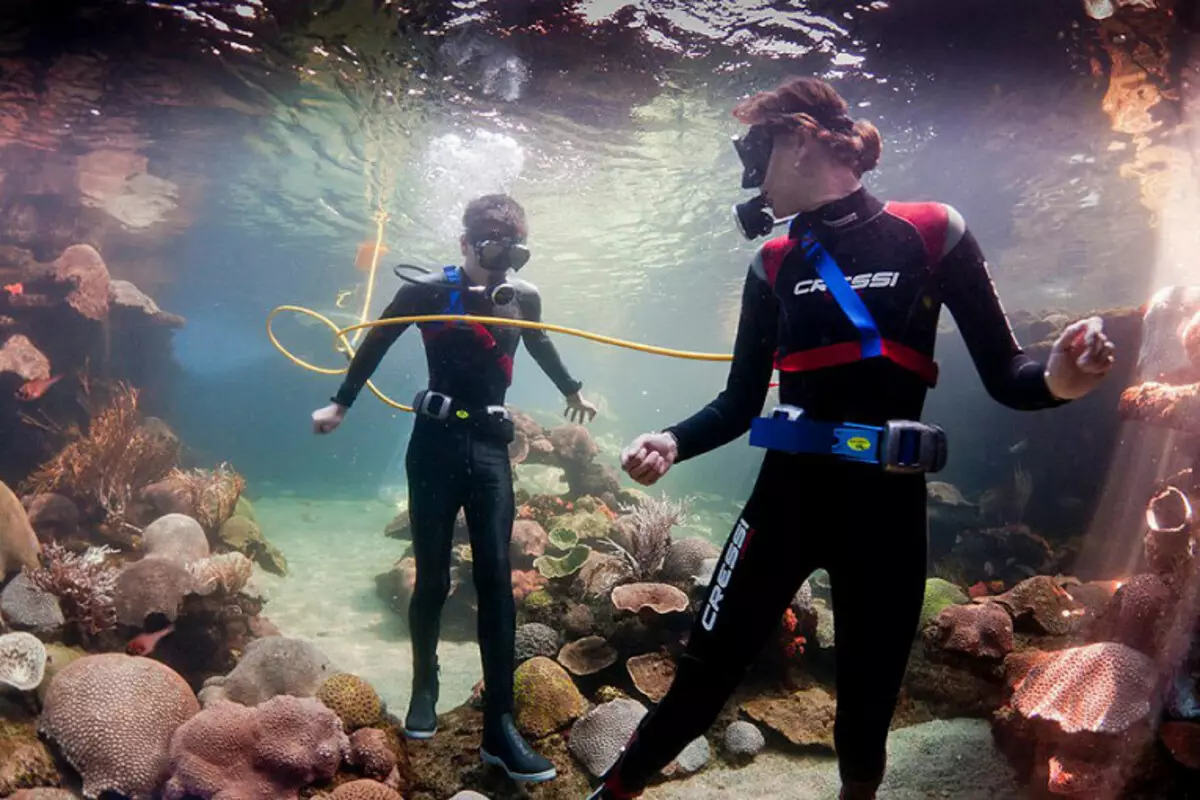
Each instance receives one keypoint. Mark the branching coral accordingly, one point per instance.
(650, 524)
(84, 586)
(116, 457)
(213, 494)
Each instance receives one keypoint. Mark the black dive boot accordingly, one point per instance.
(421, 722)
(504, 747)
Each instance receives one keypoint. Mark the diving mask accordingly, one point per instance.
(754, 151)
(501, 255)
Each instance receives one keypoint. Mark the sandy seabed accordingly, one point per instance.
(336, 548)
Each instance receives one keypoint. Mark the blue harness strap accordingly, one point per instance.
(851, 304)
(455, 303)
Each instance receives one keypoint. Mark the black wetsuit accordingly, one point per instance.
(454, 465)
(867, 528)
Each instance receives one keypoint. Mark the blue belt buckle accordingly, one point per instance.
(857, 442)
(779, 431)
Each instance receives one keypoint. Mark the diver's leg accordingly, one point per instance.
(884, 546)
(763, 563)
(434, 490)
(490, 508)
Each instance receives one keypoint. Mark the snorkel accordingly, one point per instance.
(496, 256)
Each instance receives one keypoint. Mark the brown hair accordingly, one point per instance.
(815, 106)
(494, 214)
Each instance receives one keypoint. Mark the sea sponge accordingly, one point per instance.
(176, 537)
(19, 545)
(938, 595)
(22, 661)
(271, 666)
(686, 557)
(112, 716)
(743, 740)
(545, 698)
(151, 586)
(354, 700)
(271, 750)
(978, 631)
(369, 751)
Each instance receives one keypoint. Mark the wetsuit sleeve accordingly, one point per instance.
(730, 414)
(538, 343)
(410, 300)
(1010, 377)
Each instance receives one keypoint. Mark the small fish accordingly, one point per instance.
(144, 643)
(14, 289)
(33, 390)
(1019, 447)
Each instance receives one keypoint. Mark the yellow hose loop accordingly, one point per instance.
(340, 337)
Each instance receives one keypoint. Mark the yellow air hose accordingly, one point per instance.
(345, 346)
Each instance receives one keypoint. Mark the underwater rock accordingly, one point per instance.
(52, 516)
(129, 306)
(599, 575)
(1162, 356)
(353, 699)
(25, 762)
(1137, 615)
(742, 741)
(175, 537)
(804, 718)
(1175, 407)
(142, 704)
(545, 698)
(578, 621)
(529, 540)
(271, 666)
(245, 536)
(1038, 605)
(19, 545)
(693, 758)
(20, 358)
(685, 560)
(82, 266)
(26, 607)
(1182, 740)
(268, 750)
(976, 631)
(597, 737)
(449, 763)
(372, 752)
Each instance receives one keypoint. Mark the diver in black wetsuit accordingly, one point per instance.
(845, 306)
(458, 457)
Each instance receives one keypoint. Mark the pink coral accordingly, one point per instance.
(369, 752)
(113, 715)
(230, 751)
(1100, 688)
(979, 631)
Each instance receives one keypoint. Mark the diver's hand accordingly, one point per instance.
(1081, 357)
(326, 420)
(649, 457)
(579, 409)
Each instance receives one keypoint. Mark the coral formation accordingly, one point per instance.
(84, 585)
(353, 699)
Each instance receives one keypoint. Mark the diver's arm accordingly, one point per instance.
(538, 343)
(410, 300)
(730, 414)
(1010, 377)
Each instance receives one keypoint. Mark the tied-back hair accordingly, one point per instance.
(815, 106)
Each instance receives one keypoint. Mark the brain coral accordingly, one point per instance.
(112, 716)
(352, 699)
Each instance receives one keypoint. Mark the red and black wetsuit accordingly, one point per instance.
(452, 466)
(864, 526)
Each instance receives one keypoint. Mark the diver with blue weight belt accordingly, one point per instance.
(845, 306)
(458, 456)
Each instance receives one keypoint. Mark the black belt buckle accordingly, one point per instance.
(911, 447)
(433, 404)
